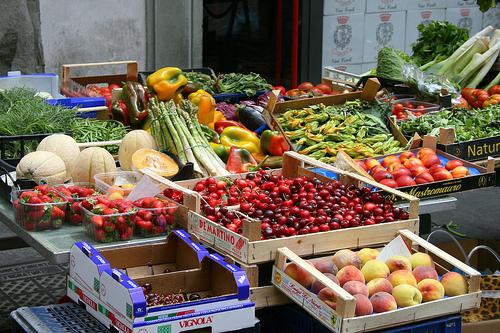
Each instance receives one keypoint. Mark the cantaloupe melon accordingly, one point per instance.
(42, 167)
(63, 146)
(92, 161)
(158, 162)
(132, 142)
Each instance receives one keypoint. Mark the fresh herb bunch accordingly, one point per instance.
(23, 113)
(438, 40)
(91, 130)
(206, 82)
(247, 84)
(468, 124)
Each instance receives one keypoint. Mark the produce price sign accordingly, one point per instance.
(218, 236)
(473, 150)
(309, 301)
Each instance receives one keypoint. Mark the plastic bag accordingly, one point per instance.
(428, 86)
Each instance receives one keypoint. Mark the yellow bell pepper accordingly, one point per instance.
(178, 99)
(167, 82)
(206, 106)
(241, 138)
(217, 116)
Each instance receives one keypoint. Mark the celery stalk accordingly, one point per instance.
(477, 62)
(487, 66)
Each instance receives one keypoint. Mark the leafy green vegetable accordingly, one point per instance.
(205, 81)
(23, 113)
(438, 40)
(247, 84)
(391, 62)
(468, 124)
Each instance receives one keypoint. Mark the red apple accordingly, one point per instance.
(452, 164)
(405, 181)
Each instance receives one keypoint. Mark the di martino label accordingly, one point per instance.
(474, 150)
(306, 299)
(218, 236)
(447, 187)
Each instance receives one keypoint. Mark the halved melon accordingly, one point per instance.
(158, 162)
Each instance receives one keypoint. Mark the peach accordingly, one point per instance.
(405, 181)
(367, 254)
(425, 151)
(391, 159)
(421, 259)
(395, 166)
(346, 257)
(375, 269)
(317, 285)
(413, 162)
(459, 172)
(431, 290)
(424, 178)
(400, 172)
(406, 155)
(454, 284)
(383, 302)
(325, 265)
(418, 170)
(370, 163)
(425, 272)
(350, 273)
(452, 164)
(430, 160)
(376, 169)
(402, 277)
(328, 296)
(435, 167)
(363, 305)
(355, 287)
(396, 263)
(300, 275)
(442, 174)
(381, 175)
(406, 295)
(389, 182)
(378, 285)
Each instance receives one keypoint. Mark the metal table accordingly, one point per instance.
(54, 245)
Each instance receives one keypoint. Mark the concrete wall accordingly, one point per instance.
(76, 31)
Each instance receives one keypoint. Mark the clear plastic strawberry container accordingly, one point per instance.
(118, 183)
(416, 108)
(74, 193)
(104, 223)
(155, 216)
(37, 211)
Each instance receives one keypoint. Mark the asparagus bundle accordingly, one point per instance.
(176, 129)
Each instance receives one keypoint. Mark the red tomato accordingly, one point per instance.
(281, 89)
(324, 88)
(420, 107)
(463, 104)
(317, 91)
(305, 86)
(490, 101)
(114, 86)
(467, 93)
(397, 108)
(494, 90)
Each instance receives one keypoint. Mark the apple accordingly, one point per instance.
(376, 169)
(370, 163)
(413, 162)
(405, 181)
(430, 160)
(406, 295)
(389, 182)
(418, 170)
(424, 178)
(381, 175)
(459, 172)
(325, 265)
(394, 166)
(435, 167)
(405, 156)
(389, 160)
(442, 174)
(424, 152)
(400, 172)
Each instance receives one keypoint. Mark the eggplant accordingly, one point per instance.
(250, 115)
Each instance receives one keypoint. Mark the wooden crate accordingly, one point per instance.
(343, 318)
(248, 248)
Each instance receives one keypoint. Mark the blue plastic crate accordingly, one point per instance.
(80, 102)
(236, 97)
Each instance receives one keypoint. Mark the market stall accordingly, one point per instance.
(187, 199)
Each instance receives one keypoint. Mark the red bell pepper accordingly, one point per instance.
(272, 143)
(221, 124)
(240, 160)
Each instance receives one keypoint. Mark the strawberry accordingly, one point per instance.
(35, 200)
(109, 227)
(76, 219)
(97, 221)
(99, 235)
(75, 207)
(57, 213)
(99, 208)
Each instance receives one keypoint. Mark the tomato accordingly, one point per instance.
(317, 91)
(467, 94)
(294, 93)
(398, 108)
(306, 86)
(463, 104)
(420, 107)
(490, 101)
(114, 86)
(324, 88)
(494, 90)
(496, 96)
(480, 95)
(281, 89)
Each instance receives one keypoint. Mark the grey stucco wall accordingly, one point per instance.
(76, 31)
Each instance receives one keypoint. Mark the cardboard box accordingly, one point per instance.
(426, 4)
(335, 7)
(492, 17)
(121, 303)
(383, 29)
(416, 17)
(488, 326)
(470, 18)
(343, 318)
(460, 3)
(377, 6)
(342, 39)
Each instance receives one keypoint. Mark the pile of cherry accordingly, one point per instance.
(154, 299)
(288, 207)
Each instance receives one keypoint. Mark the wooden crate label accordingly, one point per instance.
(306, 300)
(474, 150)
(218, 236)
(447, 187)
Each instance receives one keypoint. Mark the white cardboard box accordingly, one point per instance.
(414, 18)
(350, 68)
(492, 17)
(470, 18)
(335, 7)
(460, 3)
(383, 29)
(426, 4)
(376, 6)
(342, 39)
